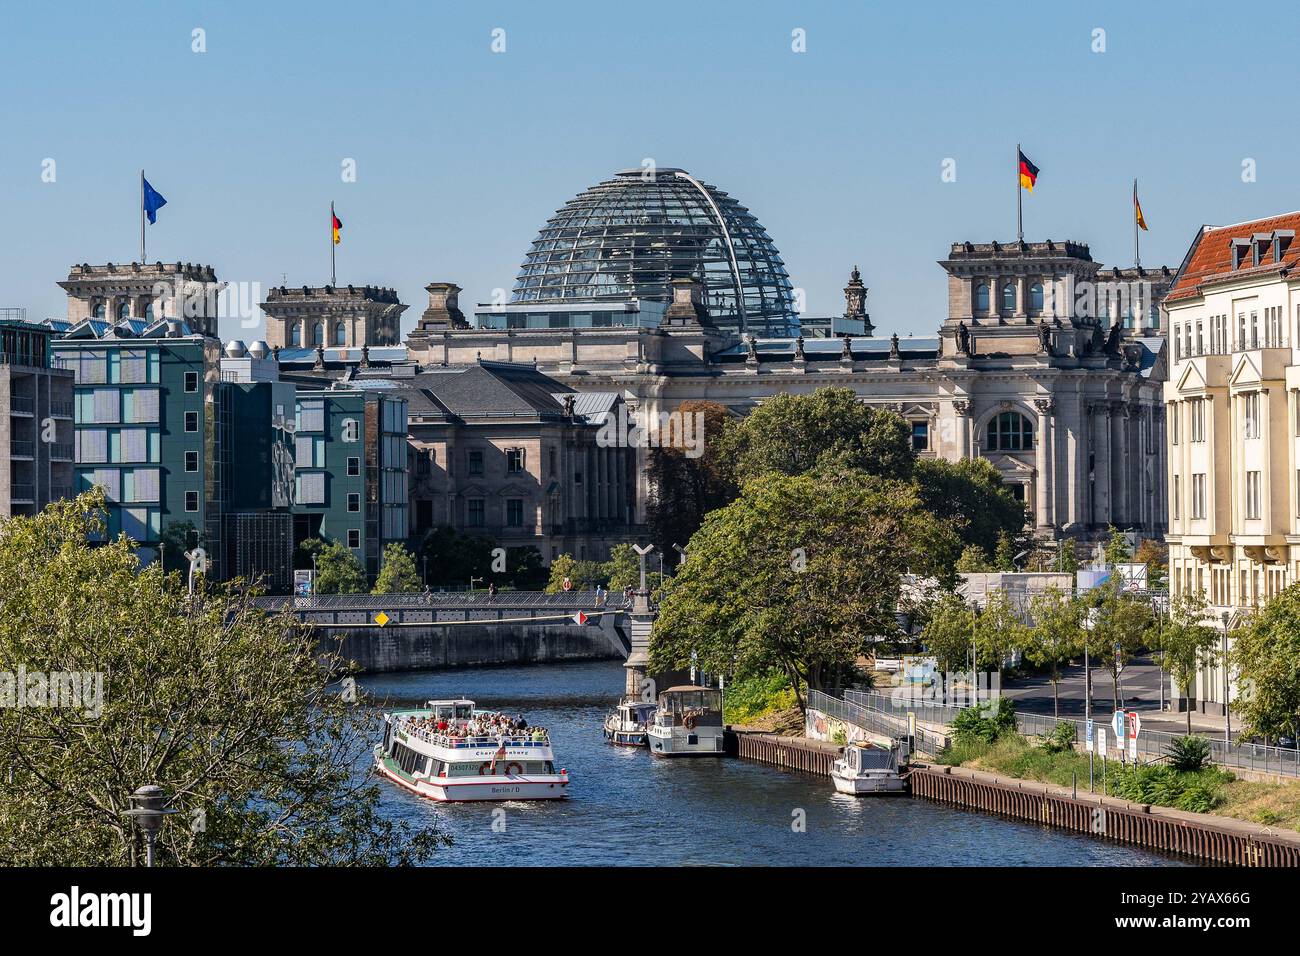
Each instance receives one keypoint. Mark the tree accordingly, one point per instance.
(1117, 550)
(524, 568)
(970, 494)
(801, 574)
(177, 538)
(1067, 562)
(1004, 555)
(397, 573)
(1188, 643)
(948, 635)
(793, 434)
(684, 489)
(1266, 652)
(623, 569)
(452, 558)
(1155, 555)
(306, 550)
(973, 560)
(1055, 636)
(583, 575)
(1120, 627)
(225, 707)
(999, 631)
(338, 571)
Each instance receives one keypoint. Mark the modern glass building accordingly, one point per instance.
(624, 240)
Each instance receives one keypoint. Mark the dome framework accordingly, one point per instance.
(630, 236)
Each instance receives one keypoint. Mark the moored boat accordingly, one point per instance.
(628, 723)
(687, 723)
(866, 769)
(451, 751)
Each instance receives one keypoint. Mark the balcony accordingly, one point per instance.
(59, 409)
(21, 405)
(60, 491)
(61, 451)
(22, 494)
(22, 449)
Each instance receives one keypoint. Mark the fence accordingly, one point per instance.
(576, 600)
(1151, 744)
(875, 721)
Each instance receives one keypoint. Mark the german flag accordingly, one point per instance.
(1137, 209)
(335, 223)
(1028, 173)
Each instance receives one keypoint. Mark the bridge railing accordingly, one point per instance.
(575, 600)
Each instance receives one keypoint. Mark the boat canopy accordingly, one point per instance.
(689, 697)
(869, 758)
(456, 709)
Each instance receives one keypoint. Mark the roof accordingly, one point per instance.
(680, 688)
(1210, 258)
(377, 353)
(590, 405)
(864, 347)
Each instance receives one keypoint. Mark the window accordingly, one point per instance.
(354, 501)
(295, 336)
(318, 334)
(514, 460)
(1253, 486)
(1198, 419)
(354, 467)
(577, 477)
(1175, 422)
(515, 512)
(1198, 496)
(1178, 496)
(1250, 414)
(982, 298)
(311, 416)
(310, 488)
(124, 310)
(1036, 298)
(477, 517)
(920, 436)
(1241, 330)
(191, 421)
(1010, 431)
(354, 538)
(340, 334)
(191, 501)
(191, 381)
(191, 461)
(98, 311)
(1008, 299)
(550, 459)
(476, 463)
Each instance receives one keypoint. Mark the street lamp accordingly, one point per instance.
(148, 812)
(1227, 717)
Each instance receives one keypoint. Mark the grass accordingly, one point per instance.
(750, 700)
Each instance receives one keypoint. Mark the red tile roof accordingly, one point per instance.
(1210, 259)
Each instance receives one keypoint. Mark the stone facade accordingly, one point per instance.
(1066, 404)
(334, 317)
(35, 421)
(147, 291)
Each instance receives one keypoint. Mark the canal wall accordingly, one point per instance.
(379, 650)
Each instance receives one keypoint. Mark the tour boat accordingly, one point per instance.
(451, 751)
(687, 723)
(627, 725)
(865, 769)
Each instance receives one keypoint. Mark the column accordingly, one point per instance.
(963, 428)
(1045, 479)
(1101, 468)
(995, 299)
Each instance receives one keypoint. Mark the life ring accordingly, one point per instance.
(485, 769)
(568, 585)
(519, 768)
(689, 721)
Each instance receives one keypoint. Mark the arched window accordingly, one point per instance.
(148, 312)
(1009, 431)
(982, 297)
(124, 310)
(1154, 314)
(1008, 298)
(340, 334)
(318, 334)
(295, 336)
(1036, 298)
(98, 311)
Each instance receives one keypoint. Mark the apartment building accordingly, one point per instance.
(1233, 411)
(35, 421)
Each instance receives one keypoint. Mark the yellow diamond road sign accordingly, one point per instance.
(381, 618)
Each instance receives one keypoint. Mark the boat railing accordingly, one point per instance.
(540, 739)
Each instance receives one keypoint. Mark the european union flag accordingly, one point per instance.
(153, 200)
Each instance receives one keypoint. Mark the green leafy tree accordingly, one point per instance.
(1188, 643)
(226, 708)
(970, 494)
(524, 568)
(306, 550)
(683, 489)
(397, 573)
(584, 575)
(1120, 629)
(1117, 550)
(1155, 556)
(949, 632)
(793, 434)
(973, 560)
(1004, 555)
(999, 631)
(1055, 636)
(1266, 654)
(452, 557)
(338, 571)
(623, 569)
(799, 575)
(1067, 562)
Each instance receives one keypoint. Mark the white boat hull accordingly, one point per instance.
(703, 742)
(507, 787)
(863, 786)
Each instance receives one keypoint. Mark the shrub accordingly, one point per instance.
(1061, 738)
(986, 722)
(1188, 754)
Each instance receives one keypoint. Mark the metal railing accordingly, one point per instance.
(22, 493)
(577, 600)
(874, 721)
(19, 448)
(22, 403)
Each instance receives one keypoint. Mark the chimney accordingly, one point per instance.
(687, 309)
(444, 311)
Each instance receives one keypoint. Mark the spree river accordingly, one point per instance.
(627, 808)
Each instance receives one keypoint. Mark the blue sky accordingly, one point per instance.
(462, 153)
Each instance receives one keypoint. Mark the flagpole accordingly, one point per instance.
(1137, 255)
(1020, 218)
(333, 275)
(142, 260)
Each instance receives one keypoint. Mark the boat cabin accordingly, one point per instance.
(860, 759)
(449, 710)
(690, 706)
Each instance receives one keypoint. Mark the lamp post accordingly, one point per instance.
(148, 811)
(1227, 716)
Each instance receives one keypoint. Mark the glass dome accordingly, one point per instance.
(630, 236)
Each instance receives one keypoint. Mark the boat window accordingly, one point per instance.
(853, 758)
(445, 711)
(876, 759)
(464, 711)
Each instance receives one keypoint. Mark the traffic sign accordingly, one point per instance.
(579, 618)
(1134, 724)
(1090, 735)
(381, 619)
(1133, 749)
(1101, 741)
(1117, 725)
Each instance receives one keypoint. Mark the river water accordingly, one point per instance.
(625, 807)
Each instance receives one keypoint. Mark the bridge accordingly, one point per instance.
(391, 632)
